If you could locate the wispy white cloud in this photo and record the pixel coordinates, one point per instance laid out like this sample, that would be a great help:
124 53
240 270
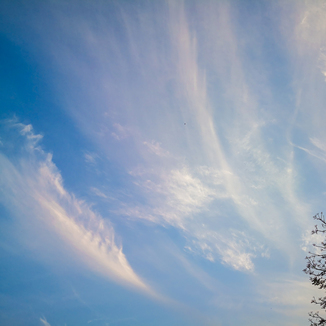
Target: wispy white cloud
289 292
32 180
176 195
156 148
90 158
231 180
120 132
183 200
225 167
44 322
239 171
307 50
98 192
318 143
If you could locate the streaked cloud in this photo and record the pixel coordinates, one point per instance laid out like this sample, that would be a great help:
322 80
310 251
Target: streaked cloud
224 157
31 178
44 322
205 123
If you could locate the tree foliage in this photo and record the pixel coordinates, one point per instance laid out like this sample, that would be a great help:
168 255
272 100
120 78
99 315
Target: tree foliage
316 269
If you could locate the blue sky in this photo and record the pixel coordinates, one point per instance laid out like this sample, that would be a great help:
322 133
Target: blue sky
160 161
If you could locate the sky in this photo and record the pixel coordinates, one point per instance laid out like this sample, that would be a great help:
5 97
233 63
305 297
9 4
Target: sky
160 161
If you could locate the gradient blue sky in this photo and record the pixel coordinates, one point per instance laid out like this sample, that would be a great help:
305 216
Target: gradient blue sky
160 161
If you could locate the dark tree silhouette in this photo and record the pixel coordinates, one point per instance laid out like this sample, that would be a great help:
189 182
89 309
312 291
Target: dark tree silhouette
316 269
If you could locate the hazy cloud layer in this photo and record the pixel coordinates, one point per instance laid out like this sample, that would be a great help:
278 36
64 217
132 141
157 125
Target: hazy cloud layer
211 116
191 125
225 156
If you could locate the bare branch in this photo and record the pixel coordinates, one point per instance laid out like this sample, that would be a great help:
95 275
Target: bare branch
316 269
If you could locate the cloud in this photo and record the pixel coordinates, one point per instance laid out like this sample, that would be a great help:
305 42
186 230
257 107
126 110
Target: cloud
176 194
289 292
231 181
98 192
319 154
156 148
319 144
233 167
44 322
183 198
120 132
32 188
306 43
90 158
228 167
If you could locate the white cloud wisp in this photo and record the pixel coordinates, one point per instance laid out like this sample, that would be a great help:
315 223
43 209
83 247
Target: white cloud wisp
224 171
31 187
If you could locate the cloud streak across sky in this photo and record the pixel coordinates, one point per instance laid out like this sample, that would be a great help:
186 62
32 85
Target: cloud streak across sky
205 119
248 172
31 180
